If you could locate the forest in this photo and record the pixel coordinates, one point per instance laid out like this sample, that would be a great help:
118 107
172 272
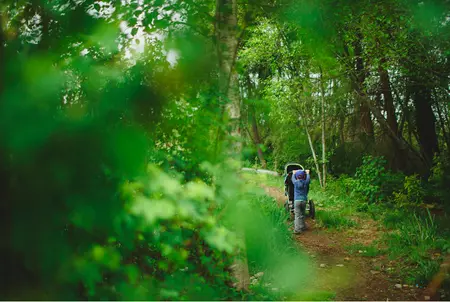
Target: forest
125 127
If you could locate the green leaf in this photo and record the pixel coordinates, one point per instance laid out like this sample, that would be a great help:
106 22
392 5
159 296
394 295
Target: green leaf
162 23
153 210
220 238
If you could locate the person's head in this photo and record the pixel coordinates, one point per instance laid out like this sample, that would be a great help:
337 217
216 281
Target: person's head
300 174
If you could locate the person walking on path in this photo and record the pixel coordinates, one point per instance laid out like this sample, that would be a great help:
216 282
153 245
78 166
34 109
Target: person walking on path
301 180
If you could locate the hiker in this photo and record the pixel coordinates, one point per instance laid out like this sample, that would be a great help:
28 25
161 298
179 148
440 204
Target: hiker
300 179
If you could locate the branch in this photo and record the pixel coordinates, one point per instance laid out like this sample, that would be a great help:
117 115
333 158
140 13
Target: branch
384 124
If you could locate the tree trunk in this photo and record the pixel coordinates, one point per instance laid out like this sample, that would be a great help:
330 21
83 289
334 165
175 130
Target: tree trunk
359 79
227 43
341 129
425 121
233 110
10 271
442 122
383 123
401 126
388 98
324 163
257 140
446 116
420 90
2 55
316 163
399 158
256 137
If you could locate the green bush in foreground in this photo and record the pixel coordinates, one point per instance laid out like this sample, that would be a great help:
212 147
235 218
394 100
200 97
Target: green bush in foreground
161 242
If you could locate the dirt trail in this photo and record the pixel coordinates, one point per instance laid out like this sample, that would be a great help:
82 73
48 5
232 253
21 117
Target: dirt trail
351 277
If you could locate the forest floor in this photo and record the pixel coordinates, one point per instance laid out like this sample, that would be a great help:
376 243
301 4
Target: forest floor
348 272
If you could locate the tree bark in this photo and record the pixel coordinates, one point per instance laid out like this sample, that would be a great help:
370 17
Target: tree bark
446 116
359 79
399 158
252 92
9 271
233 109
341 129
227 43
442 122
316 163
383 123
421 94
388 98
425 120
257 140
2 55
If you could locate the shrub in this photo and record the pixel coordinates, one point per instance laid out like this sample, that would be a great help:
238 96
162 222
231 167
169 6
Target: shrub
413 192
372 180
369 178
439 180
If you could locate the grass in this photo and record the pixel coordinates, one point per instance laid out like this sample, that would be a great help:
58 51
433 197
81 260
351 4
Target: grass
272 249
316 296
334 220
266 179
417 240
366 250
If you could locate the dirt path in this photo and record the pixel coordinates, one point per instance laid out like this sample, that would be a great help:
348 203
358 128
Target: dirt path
350 276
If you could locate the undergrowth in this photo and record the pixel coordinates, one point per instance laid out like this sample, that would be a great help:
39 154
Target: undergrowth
271 248
418 240
413 236
266 179
279 219
333 220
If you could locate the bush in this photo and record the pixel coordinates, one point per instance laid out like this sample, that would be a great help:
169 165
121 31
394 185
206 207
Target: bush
413 192
159 241
439 180
340 186
369 178
372 180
